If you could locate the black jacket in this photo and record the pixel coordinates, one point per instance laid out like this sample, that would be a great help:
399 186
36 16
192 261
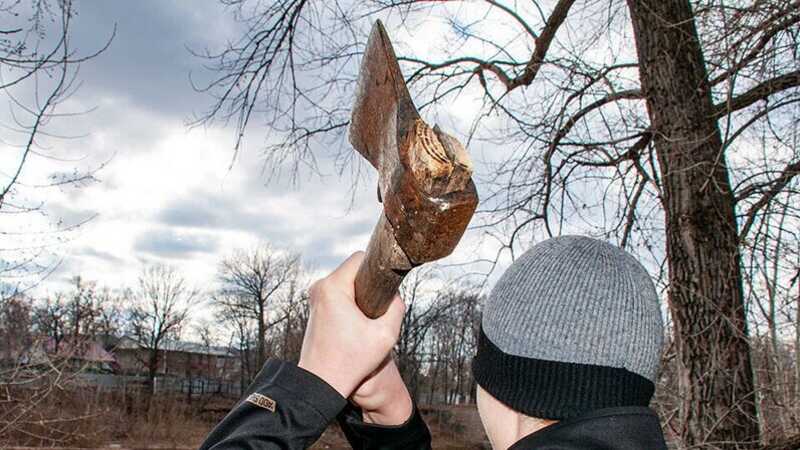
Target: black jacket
628 428
288 408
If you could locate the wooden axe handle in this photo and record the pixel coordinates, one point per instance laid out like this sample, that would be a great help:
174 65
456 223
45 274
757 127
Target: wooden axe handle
383 269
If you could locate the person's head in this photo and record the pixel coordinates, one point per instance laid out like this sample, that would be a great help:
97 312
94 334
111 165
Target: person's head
572 326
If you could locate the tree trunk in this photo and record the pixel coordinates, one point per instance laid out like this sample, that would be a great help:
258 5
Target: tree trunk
260 350
244 372
446 387
152 370
473 386
286 334
432 391
797 342
705 284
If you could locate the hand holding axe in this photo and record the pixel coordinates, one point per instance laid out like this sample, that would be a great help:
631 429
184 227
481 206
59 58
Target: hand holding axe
424 178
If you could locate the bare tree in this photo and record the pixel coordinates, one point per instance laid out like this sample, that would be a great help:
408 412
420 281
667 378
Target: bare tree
79 315
82 308
38 72
652 147
15 330
110 315
422 310
161 308
772 259
450 346
50 319
34 370
252 281
242 333
295 308
432 303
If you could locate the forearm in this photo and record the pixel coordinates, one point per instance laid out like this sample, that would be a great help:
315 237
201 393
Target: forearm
284 408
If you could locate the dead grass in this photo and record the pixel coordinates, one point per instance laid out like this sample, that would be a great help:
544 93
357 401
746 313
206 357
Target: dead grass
89 418
93 418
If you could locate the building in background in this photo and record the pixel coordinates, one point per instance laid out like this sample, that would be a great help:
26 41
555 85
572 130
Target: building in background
185 366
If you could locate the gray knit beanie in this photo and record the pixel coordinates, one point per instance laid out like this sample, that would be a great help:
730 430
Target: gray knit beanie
572 326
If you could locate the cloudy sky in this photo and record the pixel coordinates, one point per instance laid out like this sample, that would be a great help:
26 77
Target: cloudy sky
167 192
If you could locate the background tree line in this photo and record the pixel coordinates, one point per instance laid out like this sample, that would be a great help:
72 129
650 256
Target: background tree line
256 309
262 309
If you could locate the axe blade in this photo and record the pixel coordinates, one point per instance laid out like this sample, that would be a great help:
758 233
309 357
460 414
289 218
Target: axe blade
382 105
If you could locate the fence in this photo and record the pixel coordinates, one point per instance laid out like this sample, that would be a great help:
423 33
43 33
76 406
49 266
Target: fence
190 386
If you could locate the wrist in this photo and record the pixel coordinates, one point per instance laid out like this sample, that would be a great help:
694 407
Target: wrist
395 409
333 377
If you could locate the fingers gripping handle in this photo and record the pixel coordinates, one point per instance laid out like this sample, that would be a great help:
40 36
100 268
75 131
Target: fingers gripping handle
383 269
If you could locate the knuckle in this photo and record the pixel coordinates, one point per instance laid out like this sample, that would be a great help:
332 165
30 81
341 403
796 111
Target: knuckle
318 287
386 337
313 289
324 284
315 292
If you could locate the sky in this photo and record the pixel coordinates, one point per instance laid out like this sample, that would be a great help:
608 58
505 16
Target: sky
171 193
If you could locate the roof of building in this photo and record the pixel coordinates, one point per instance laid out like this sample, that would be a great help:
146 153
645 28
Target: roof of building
128 343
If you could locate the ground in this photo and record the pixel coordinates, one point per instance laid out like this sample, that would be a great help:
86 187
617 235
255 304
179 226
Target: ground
128 422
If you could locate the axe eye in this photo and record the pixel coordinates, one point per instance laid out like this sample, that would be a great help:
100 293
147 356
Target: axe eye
380 199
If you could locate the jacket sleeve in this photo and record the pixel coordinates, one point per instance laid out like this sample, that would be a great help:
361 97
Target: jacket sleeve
285 407
412 435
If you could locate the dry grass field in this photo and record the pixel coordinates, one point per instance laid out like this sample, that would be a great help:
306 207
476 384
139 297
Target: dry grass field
90 419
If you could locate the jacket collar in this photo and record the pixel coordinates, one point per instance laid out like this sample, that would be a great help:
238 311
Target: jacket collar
626 428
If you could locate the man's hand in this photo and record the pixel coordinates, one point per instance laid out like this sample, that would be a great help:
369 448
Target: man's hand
341 345
383 397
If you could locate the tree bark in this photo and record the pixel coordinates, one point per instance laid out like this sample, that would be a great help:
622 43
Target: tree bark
152 369
797 340
432 391
705 283
262 331
287 329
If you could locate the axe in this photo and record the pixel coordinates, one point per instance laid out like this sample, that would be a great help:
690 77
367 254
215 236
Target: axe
424 178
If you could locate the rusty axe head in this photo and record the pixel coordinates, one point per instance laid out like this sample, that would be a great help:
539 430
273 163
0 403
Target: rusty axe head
424 175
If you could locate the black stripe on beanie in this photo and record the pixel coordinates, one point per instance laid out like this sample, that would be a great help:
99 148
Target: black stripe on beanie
552 389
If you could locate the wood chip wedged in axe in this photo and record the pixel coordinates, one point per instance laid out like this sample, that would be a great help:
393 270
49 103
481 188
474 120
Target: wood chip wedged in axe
439 162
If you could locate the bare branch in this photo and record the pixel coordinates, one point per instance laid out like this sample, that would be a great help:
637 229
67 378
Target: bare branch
761 91
769 190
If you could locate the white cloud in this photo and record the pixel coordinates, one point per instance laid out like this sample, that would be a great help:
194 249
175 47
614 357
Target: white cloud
168 193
